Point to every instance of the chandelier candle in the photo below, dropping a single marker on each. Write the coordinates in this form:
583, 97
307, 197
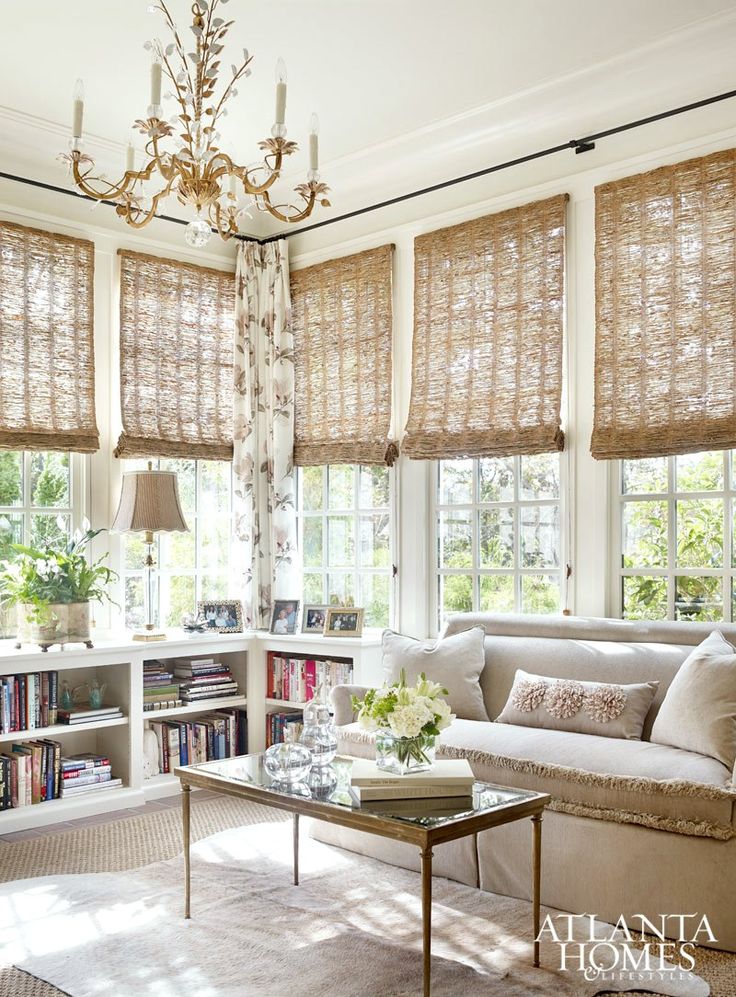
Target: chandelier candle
78, 109
182, 154
314, 143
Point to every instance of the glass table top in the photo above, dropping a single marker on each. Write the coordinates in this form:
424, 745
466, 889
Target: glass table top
332, 786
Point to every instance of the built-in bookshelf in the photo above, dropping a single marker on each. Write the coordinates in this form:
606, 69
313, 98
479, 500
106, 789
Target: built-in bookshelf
118, 665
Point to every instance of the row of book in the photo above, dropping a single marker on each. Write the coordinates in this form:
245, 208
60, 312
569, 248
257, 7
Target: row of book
203, 678
35, 772
295, 679
28, 702
216, 735
278, 720
193, 680
160, 692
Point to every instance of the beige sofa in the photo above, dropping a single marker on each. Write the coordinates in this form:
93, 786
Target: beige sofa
634, 827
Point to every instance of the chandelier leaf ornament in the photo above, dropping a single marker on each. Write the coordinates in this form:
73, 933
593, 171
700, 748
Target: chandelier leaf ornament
183, 156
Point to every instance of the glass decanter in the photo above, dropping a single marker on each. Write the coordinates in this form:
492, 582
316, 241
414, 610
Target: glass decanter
289, 761
318, 733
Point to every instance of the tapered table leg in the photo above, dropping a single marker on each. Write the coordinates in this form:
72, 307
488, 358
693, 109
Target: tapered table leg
537, 876
426, 917
296, 849
186, 791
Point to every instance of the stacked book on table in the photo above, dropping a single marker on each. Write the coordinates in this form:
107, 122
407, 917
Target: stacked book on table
86, 773
445, 789
160, 691
203, 678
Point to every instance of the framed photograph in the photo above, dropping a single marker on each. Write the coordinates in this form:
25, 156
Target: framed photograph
222, 616
313, 619
343, 621
285, 616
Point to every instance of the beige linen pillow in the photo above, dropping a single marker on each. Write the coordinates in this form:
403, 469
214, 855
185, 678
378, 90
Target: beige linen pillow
698, 712
455, 662
579, 707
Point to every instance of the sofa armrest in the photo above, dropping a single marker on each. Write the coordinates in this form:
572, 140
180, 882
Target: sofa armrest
342, 701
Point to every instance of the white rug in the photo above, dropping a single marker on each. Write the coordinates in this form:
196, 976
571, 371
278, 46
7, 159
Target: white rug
351, 929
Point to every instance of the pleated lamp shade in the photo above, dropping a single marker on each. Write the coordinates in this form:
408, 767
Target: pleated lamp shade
149, 502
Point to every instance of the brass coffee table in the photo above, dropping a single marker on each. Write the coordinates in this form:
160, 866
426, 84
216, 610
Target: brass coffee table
327, 798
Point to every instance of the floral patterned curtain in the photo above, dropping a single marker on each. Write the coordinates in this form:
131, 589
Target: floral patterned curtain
264, 498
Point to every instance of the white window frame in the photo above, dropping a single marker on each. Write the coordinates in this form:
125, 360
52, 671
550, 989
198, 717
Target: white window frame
78, 498
475, 507
727, 573
197, 572
355, 513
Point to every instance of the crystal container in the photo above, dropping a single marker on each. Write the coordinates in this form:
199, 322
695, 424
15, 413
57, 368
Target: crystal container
288, 761
318, 733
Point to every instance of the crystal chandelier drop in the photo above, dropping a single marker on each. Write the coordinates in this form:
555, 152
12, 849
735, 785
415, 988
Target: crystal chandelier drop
194, 168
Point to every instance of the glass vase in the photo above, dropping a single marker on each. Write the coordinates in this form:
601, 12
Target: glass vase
405, 755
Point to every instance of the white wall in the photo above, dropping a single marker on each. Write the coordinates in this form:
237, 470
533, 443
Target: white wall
587, 492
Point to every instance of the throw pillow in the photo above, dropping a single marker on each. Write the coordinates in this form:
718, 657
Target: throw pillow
455, 662
578, 707
698, 712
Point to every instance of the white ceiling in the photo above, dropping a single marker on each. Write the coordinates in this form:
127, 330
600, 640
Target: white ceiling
408, 91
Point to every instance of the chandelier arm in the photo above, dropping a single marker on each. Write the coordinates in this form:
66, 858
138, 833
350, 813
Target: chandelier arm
157, 158
130, 178
290, 219
216, 214
241, 172
126, 211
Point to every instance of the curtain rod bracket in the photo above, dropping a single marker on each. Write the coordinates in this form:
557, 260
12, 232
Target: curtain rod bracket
581, 145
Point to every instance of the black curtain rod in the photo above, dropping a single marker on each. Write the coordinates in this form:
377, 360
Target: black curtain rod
580, 145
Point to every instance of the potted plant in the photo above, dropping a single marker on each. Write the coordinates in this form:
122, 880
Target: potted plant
52, 588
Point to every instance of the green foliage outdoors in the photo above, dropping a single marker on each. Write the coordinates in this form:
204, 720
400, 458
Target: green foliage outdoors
698, 537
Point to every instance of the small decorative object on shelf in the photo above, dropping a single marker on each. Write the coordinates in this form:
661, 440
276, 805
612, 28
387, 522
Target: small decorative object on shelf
222, 616
288, 761
342, 622
194, 623
53, 588
407, 720
318, 733
285, 615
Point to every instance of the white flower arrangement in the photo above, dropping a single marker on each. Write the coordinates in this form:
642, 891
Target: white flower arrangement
405, 711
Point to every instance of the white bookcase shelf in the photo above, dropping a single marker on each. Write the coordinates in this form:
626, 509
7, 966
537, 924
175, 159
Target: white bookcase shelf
118, 663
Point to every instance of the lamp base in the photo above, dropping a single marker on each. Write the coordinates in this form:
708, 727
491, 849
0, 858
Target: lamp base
147, 635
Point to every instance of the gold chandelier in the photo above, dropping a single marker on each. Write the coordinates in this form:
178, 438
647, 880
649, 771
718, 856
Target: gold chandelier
197, 170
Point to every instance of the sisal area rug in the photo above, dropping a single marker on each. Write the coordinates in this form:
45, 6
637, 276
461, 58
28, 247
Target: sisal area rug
351, 929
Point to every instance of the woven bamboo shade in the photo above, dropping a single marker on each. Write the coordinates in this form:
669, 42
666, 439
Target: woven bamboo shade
177, 325
488, 324
341, 314
665, 366
47, 369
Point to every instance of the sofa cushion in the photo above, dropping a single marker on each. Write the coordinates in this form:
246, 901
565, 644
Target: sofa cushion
699, 710
456, 663
606, 710
625, 781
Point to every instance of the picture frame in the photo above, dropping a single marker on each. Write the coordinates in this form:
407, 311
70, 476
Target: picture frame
222, 616
285, 616
343, 621
313, 619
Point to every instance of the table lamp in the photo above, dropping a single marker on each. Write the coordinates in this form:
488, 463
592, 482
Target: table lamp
149, 503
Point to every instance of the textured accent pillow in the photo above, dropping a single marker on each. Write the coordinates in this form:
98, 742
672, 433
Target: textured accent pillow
698, 712
578, 707
455, 662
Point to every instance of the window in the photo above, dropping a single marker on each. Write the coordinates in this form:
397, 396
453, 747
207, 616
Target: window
674, 531
498, 535
345, 537
189, 566
40, 497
